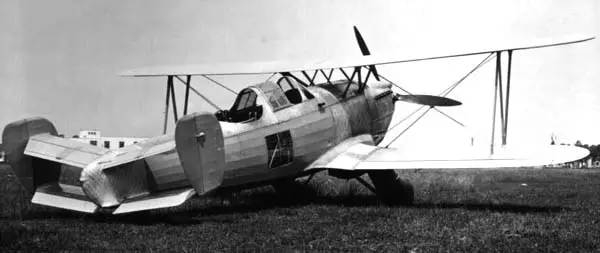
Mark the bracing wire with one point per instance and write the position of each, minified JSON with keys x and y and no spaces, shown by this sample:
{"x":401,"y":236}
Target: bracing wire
{"x":443,"y":94}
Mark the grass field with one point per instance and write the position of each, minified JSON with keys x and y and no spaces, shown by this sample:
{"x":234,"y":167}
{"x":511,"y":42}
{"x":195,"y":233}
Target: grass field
{"x":525,"y":210}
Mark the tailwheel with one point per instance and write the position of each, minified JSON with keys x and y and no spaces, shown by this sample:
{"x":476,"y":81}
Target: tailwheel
{"x":390,"y":188}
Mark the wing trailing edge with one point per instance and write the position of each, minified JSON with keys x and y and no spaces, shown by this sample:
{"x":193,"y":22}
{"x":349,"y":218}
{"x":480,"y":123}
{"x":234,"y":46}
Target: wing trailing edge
{"x":361,"y":156}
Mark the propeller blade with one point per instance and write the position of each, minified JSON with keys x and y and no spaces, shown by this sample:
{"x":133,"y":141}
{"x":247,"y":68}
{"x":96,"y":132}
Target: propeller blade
{"x":365,"y":50}
{"x":428,"y":100}
{"x":361,"y":42}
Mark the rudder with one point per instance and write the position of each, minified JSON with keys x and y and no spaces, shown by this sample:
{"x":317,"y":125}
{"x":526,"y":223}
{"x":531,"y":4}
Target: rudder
{"x":200,"y":146}
{"x":31,"y":172}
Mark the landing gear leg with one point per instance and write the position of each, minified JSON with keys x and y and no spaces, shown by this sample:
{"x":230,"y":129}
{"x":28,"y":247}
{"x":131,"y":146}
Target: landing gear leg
{"x":390,"y":188}
{"x":309,"y":178}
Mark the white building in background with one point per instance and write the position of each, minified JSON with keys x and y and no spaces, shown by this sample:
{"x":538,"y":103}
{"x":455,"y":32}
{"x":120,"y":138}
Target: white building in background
{"x":93,"y":137}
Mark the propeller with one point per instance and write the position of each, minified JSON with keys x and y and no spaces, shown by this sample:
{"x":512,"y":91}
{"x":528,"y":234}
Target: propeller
{"x":365,"y":50}
{"x":425,"y":100}
{"x":428,"y":100}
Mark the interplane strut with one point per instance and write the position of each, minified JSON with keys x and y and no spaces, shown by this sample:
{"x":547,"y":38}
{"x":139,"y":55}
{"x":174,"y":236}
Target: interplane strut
{"x":499,"y":98}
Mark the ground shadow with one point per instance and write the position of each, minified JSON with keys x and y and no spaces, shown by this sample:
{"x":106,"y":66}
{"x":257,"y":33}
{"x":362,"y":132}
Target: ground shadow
{"x":222,"y":209}
{"x":228,"y":213}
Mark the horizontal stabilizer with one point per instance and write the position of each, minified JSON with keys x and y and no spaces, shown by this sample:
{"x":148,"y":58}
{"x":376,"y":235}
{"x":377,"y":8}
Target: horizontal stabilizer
{"x":80,"y":154}
{"x":155,"y":201}
{"x":61,"y":150}
{"x":368,"y":157}
{"x":63,"y":196}
{"x":158,"y":145}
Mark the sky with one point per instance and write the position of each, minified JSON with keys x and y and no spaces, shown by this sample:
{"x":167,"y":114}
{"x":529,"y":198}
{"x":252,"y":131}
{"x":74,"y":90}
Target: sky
{"x":60,"y":59}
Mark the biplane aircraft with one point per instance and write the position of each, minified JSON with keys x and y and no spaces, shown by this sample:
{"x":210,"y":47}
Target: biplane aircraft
{"x":274,"y":132}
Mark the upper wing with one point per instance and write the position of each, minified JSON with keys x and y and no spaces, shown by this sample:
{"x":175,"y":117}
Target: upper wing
{"x":414,"y":54}
{"x":361,"y":156}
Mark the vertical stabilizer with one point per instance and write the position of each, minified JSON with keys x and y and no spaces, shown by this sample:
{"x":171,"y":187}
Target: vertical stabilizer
{"x":200,"y":145}
{"x":31,"y":172}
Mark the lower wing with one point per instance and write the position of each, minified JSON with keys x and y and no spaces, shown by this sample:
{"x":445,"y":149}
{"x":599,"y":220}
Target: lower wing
{"x":359,"y":154}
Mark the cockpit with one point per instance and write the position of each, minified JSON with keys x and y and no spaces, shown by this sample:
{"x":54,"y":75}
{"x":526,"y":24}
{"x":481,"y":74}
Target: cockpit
{"x":282,"y":94}
{"x":244,"y":108}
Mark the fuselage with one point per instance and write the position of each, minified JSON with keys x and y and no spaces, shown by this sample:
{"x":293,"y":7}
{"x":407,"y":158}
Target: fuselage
{"x":278,"y":142}
{"x":281,"y":143}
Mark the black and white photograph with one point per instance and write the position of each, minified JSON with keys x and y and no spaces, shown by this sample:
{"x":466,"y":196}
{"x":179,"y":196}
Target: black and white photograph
{"x":300,"y":126}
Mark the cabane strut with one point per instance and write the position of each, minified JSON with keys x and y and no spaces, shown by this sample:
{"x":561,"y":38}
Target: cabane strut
{"x":170,"y":96}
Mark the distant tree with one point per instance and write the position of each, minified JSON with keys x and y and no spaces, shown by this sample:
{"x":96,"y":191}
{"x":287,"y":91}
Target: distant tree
{"x":578,"y":143}
{"x":75,"y":136}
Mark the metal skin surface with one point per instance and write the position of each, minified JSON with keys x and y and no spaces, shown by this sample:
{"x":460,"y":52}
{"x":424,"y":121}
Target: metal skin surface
{"x":316,"y":125}
{"x":314,"y":130}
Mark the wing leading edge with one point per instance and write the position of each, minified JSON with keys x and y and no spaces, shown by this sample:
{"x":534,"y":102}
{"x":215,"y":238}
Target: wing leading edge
{"x":425,"y":53}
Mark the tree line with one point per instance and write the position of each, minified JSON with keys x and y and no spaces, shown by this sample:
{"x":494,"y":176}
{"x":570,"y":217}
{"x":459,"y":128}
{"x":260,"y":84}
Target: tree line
{"x":594,"y":150}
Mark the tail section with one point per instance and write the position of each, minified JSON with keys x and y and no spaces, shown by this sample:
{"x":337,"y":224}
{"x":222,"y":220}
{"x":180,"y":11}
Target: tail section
{"x":37,"y":164}
{"x":147,"y":175}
